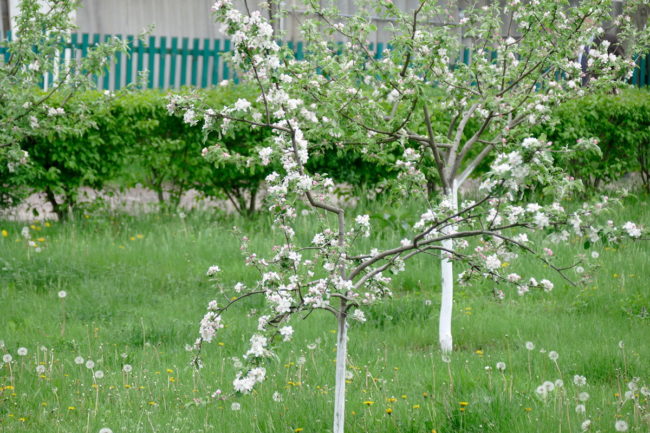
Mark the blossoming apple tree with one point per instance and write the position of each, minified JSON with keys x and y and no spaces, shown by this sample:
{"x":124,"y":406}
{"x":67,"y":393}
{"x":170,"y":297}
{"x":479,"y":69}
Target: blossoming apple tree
{"x":444,"y":118}
{"x":35,"y":50}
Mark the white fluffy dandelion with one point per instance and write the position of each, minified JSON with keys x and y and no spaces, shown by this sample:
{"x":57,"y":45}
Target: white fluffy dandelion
{"x":90,"y":364}
{"x":579,"y":380}
{"x":99,"y":374}
{"x":530,"y":345}
{"x":620,"y":425}
{"x":235,"y":406}
{"x":62,"y":294}
{"x":127,"y":368}
{"x":501,"y":366}
{"x":7,"y":358}
{"x":553,"y":355}
{"x":22,"y":351}
{"x":79,"y":360}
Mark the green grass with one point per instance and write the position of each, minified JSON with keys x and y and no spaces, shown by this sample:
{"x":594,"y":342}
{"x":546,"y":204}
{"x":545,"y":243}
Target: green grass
{"x":136,"y":291}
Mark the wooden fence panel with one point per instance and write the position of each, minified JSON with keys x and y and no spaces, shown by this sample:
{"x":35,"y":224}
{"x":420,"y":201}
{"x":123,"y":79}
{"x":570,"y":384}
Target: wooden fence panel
{"x":197,"y":62}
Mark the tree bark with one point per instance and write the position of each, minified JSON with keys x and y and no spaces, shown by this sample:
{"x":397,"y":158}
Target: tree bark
{"x":5,"y":18}
{"x":447,"y":278}
{"x":341,"y":360}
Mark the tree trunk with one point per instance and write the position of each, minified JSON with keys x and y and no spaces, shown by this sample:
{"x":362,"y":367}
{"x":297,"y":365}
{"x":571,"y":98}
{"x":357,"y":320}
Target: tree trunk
{"x":59,"y":209}
{"x":5,"y":17}
{"x":341,"y":360}
{"x":447,"y":277}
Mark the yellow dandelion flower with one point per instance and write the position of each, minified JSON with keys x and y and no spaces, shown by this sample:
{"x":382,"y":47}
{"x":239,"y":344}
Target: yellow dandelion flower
{"x":127,"y":386}
{"x":172,"y":379}
{"x":298,"y":430}
{"x":132,"y":238}
{"x":71,"y":408}
{"x":221,"y":343}
{"x":528,"y":409}
{"x":44,"y":404}
{"x":139,"y":236}
{"x":152,"y":403}
{"x":22,"y":419}
{"x":389,"y":411}
{"x":5,"y":233}
{"x":368,"y":402}
{"x":47,"y":224}
{"x":463,"y":403}
{"x":41,"y":239}
{"x":391,"y":400}
{"x":479,"y":352}
{"x":169,"y":370}
{"x":416,"y":406}
{"x":404,"y":396}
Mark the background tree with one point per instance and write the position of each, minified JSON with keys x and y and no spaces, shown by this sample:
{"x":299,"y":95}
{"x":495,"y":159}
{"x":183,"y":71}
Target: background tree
{"x":39,"y":31}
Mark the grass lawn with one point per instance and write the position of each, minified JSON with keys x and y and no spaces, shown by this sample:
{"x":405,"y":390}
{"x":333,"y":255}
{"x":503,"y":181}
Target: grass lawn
{"x":136,"y":290}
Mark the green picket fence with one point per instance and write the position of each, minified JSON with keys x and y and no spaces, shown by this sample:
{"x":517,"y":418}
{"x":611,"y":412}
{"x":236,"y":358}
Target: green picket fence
{"x":174,"y":62}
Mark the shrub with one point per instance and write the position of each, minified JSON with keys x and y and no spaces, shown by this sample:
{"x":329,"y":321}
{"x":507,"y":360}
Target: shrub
{"x":620,"y":123}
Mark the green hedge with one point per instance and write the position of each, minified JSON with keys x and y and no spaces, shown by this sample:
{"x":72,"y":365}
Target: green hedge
{"x":621,"y":123}
{"x":131,"y":138}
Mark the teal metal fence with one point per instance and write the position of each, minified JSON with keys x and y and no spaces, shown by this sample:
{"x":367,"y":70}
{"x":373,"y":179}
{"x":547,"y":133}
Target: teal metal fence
{"x":172,"y":62}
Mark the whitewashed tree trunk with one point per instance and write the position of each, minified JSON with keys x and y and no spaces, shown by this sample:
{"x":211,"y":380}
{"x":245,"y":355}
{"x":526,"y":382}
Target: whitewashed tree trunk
{"x":341,"y":360}
{"x":447,"y":276}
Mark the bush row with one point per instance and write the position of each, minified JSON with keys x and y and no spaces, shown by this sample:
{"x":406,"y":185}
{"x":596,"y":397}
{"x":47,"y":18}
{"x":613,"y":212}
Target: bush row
{"x":133,"y":140}
{"x":131,"y":137}
{"x":620,"y":123}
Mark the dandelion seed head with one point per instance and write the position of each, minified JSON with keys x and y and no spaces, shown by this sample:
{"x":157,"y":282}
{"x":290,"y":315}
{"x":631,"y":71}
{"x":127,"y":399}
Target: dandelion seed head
{"x":90,"y":364}
{"x":579,"y":380}
{"x":530,"y":345}
{"x":79,"y":360}
{"x":235,"y":406}
{"x":22,"y":351}
{"x":621,"y":425}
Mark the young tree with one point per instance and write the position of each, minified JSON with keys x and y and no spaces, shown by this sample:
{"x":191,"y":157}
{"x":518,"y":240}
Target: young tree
{"x":34,"y":50}
{"x":443,"y":119}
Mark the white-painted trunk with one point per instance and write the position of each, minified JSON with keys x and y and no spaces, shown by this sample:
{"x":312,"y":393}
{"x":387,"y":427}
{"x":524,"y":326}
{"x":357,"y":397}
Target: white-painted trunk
{"x":341,"y":361}
{"x":447,"y":277}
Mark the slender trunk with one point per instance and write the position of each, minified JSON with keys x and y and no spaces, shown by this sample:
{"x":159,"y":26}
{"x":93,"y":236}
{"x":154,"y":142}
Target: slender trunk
{"x":447,"y":275}
{"x":5,"y":18}
{"x":341,"y":358}
{"x":57,"y":208}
